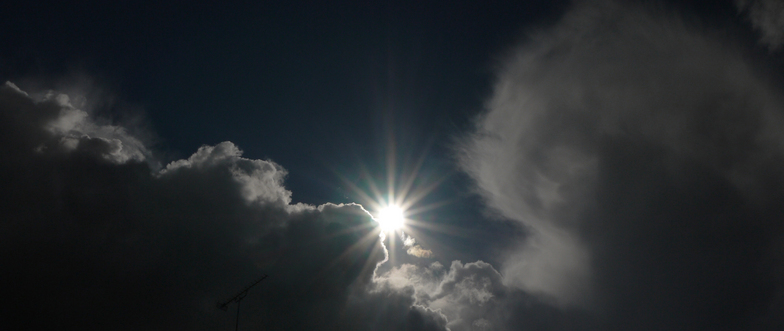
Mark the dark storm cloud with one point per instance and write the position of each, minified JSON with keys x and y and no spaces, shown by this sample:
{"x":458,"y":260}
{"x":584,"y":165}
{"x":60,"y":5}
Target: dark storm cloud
{"x":92,"y":237}
{"x":645,"y":156}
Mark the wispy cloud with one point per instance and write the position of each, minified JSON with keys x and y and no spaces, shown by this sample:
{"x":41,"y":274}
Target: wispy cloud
{"x":644,"y":156}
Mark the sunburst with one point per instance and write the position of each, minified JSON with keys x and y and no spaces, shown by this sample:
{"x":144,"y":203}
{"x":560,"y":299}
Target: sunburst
{"x":397,"y":205}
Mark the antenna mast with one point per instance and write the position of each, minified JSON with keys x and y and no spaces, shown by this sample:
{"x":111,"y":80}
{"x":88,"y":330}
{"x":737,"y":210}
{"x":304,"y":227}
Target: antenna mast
{"x":237,"y":298}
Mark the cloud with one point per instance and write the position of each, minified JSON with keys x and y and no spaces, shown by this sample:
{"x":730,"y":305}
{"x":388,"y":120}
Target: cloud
{"x":767,"y":17}
{"x":644,"y":157}
{"x":472,"y":296}
{"x":94,"y":236}
{"x":261,"y":181}
{"x":96,"y":241}
{"x":414,"y":249}
{"x":418,"y":251}
{"x":76,"y":130}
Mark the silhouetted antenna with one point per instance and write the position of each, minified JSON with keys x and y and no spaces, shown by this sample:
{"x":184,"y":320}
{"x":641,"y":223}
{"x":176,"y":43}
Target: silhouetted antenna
{"x":237,"y":298}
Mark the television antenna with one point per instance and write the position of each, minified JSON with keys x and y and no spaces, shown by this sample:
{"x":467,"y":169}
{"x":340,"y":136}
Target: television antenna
{"x":237,"y":298}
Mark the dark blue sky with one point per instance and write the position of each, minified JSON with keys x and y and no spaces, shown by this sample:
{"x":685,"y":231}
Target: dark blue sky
{"x":320,"y":88}
{"x":314,"y":86}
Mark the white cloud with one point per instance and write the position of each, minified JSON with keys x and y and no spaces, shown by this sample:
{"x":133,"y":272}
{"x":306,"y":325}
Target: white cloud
{"x":414,"y":249}
{"x":461,"y":293}
{"x":260,"y":180}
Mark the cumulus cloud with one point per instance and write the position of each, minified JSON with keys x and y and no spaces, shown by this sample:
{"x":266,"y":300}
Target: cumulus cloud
{"x":644,"y":157}
{"x":93,"y":236}
{"x":260,"y":180}
{"x":92,"y":240}
{"x":76,"y":130}
{"x":473,"y":296}
{"x":767,"y":17}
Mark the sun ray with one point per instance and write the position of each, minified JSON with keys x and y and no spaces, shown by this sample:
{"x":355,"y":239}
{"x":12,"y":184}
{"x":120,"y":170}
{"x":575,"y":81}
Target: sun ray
{"x":362,"y":195}
{"x":426,"y":208}
{"x":421,"y":193}
{"x":408,"y":188}
{"x":413,"y":175}
{"x":391,"y":163}
{"x":392,"y":249}
{"x":366,"y":241}
{"x":373,"y":187}
{"x":439,"y":228}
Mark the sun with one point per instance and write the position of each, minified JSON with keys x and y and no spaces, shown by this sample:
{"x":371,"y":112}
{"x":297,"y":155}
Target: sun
{"x":390,"y":218}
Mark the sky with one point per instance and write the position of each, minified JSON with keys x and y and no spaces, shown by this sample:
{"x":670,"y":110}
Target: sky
{"x":561,"y":165}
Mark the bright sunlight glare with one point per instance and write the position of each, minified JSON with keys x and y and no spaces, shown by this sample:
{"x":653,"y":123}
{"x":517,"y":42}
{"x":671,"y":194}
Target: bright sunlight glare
{"x":390,"y":218}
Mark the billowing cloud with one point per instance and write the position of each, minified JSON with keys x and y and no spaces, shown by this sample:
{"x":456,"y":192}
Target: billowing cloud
{"x":94,"y":237}
{"x":76,"y":130}
{"x":767,"y":17}
{"x":645,"y":159}
{"x":473,"y":296}
{"x":94,"y":240}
